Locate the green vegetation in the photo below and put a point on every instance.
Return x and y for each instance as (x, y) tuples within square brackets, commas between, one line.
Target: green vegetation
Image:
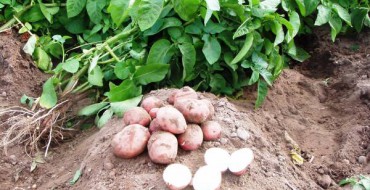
[(124, 48), (357, 182)]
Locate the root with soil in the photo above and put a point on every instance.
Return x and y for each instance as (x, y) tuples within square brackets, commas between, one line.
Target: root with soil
[(37, 127)]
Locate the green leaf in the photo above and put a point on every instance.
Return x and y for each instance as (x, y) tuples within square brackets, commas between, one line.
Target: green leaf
[(259, 62), (160, 52), (101, 121), (300, 55), (45, 11), (358, 187), (27, 27), (147, 12), (94, 10), (254, 78), (123, 70), (150, 73), (296, 24), (42, 59), (342, 13), (119, 108), (186, 9), (213, 5), (218, 84), (278, 30), (306, 7), (346, 181), (71, 65), (358, 16), (365, 182), (267, 76), (194, 28), (246, 47), (119, 11), (76, 177), (48, 97), (29, 47), (74, 7), (226, 37), (163, 24), (323, 15), (126, 90), (242, 29), (188, 60), (211, 49), (270, 4), (214, 28), (27, 100), (95, 77), (33, 15), (336, 25), (261, 93), (92, 109)]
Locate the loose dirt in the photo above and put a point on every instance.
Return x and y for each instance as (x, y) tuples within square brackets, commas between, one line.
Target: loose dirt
[(323, 104)]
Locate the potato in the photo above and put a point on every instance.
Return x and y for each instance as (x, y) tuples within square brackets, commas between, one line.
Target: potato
[(151, 102), (183, 93), (177, 176), (137, 115), (194, 111), (171, 120), (131, 141), (153, 127), (210, 107), (153, 112), (211, 130), (207, 177), (162, 147), (192, 138), (240, 160)]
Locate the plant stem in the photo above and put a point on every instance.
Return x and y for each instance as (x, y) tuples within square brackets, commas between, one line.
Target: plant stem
[(10, 22), (74, 79), (112, 53)]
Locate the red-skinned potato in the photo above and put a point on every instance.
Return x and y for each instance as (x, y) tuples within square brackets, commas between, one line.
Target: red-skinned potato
[(137, 115), (210, 107), (192, 138), (211, 130), (162, 147), (171, 120), (153, 127), (194, 111), (153, 112), (183, 93), (151, 102), (131, 141)]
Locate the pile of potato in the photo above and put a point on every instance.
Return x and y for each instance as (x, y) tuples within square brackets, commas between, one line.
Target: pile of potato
[(184, 120)]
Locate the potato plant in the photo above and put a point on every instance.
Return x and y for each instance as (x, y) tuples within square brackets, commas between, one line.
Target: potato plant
[(119, 49)]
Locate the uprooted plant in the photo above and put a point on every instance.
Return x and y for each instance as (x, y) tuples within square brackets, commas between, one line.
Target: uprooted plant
[(129, 47)]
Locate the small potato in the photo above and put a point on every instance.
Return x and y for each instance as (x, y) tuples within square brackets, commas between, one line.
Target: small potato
[(211, 130), (210, 107), (192, 138), (171, 120), (153, 127), (183, 93), (137, 115), (194, 111), (153, 112), (131, 141), (162, 147), (151, 102)]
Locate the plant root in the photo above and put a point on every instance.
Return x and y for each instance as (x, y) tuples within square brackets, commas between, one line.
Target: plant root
[(35, 128)]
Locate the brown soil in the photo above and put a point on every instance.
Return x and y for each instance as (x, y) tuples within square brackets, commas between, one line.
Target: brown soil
[(323, 104)]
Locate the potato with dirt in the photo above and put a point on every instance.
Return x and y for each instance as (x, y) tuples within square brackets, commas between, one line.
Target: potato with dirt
[(183, 93), (151, 102), (192, 139), (171, 120), (210, 107), (137, 115), (162, 147), (194, 111), (131, 141), (211, 130)]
